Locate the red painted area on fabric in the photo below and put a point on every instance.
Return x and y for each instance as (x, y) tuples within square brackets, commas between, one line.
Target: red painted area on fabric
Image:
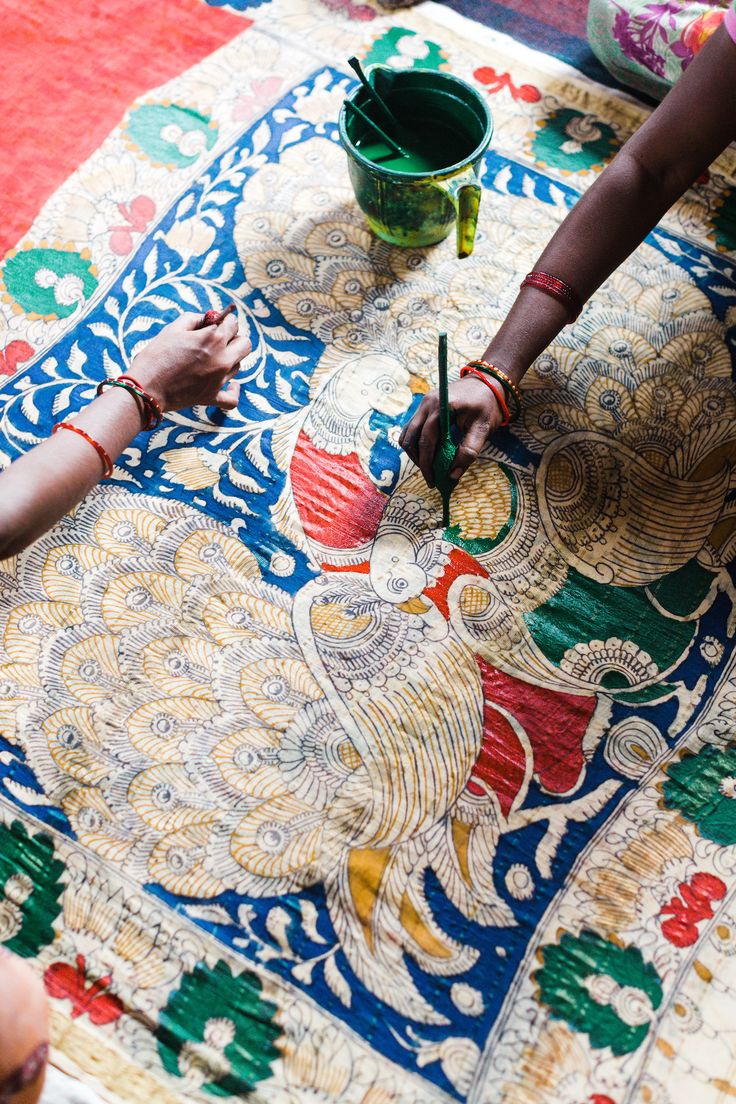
[(64, 982), (554, 722), (137, 215), (694, 905), (459, 563), (338, 505), (502, 760), (14, 353), (69, 73), (354, 569), (496, 82)]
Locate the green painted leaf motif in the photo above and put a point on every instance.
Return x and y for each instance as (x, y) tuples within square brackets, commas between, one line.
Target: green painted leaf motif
[(49, 282), (584, 610), (405, 49), (170, 134), (702, 788), (608, 992), (30, 888), (217, 1032), (571, 140)]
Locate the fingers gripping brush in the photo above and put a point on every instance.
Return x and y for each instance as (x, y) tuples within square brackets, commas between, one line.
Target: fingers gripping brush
[(444, 457)]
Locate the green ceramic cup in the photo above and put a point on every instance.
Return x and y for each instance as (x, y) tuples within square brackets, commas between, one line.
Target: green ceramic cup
[(420, 208)]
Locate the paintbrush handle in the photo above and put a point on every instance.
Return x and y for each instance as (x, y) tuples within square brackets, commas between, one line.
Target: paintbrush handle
[(444, 457), (213, 317), (378, 100), (393, 146), (443, 386)]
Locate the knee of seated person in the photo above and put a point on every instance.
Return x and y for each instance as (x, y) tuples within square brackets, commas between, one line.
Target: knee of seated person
[(24, 1028)]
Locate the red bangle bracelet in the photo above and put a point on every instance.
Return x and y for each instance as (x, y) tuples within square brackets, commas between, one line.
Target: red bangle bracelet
[(154, 409), (154, 413), (101, 452), (510, 389), (468, 370), (558, 289)]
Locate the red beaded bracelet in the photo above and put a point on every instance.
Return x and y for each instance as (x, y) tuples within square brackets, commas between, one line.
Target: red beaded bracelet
[(153, 412), (558, 289), (469, 370), (101, 452)]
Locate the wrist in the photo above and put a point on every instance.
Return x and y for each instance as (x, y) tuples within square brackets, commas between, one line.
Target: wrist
[(149, 380), (515, 367), (129, 408)]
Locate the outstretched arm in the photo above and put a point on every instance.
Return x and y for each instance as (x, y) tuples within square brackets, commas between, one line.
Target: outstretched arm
[(692, 125), (184, 365)]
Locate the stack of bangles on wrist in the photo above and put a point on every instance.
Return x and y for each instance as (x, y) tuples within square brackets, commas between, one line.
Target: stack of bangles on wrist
[(503, 387), (558, 289), (151, 412)]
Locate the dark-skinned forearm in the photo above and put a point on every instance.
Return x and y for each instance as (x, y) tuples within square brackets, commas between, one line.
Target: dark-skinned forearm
[(681, 138), (600, 232)]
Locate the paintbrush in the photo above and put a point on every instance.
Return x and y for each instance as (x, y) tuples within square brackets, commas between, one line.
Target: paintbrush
[(380, 103), (393, 146), (213, 317), (444, 456)]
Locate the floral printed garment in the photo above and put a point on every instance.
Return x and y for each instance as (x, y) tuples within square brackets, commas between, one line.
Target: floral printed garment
[(647, 44)]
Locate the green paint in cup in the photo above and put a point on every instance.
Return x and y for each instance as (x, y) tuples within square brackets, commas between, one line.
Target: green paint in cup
[(446, 128)]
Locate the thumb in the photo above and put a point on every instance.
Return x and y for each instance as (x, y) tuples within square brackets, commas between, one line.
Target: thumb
[(470, 446), (228, 396)]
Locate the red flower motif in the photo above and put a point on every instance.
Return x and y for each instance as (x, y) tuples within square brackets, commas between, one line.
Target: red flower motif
[(14, 353), (694, 904), (496, 82), (63, 982), (137, 214)]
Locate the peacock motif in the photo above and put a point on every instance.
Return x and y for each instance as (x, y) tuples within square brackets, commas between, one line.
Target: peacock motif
[(206, 731)]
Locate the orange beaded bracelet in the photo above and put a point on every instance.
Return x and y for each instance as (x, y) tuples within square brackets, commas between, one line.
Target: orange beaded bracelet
[(510, 389), (469, 370), (101, 452)]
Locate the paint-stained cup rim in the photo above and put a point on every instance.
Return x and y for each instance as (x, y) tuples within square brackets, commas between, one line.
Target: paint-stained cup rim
[(397, 175)]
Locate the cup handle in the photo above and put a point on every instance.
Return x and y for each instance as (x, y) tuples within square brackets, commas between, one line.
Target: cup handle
[(464, 193)]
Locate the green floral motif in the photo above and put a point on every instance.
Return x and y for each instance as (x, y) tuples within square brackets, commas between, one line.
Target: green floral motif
[(724, 222), (217, 1032), (702, 788), (30, 888), (170, 134), (49, 282), (404, 49), (608, 992), (574, 142)]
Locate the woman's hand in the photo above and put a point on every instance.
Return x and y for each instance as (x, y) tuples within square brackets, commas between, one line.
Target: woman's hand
[(189, 366), (474, 411)]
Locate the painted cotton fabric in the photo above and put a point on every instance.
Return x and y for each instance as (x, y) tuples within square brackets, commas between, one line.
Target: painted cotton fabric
[(304, 797)]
